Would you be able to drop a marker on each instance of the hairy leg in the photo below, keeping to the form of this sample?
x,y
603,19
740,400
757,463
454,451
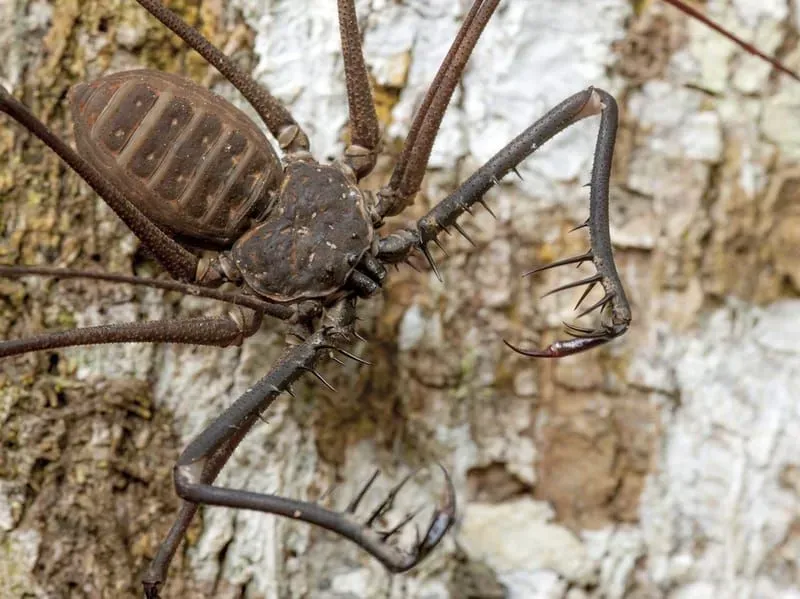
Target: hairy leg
x,y
413,161
362,152
220,332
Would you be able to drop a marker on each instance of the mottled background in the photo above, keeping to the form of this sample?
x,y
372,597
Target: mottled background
x,y
664,465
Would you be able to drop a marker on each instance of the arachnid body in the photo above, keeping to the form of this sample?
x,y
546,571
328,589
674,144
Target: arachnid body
x,y
295,211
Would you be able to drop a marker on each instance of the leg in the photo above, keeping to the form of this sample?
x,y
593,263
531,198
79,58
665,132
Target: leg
x,y
362,152
205,456
750,48
283,312
413,161
280,123
396,247
220,332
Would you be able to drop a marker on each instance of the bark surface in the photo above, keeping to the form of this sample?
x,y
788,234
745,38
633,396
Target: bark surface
x,y
666,464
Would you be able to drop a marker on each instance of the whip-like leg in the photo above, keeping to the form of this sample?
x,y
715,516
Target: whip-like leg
x,y
283,312
413,161
219,332
396,247
201,461
750,48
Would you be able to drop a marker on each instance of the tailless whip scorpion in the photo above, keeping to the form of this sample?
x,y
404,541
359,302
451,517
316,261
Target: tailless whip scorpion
x,y
291,238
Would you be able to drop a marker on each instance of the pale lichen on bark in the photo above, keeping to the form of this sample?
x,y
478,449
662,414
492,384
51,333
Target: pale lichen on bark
x,y
664,465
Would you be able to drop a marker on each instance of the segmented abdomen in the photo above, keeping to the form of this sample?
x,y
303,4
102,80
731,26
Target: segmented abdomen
x,y
187,158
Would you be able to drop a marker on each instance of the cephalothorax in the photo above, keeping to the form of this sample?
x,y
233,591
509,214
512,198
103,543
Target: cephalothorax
x,y
298,240
320,224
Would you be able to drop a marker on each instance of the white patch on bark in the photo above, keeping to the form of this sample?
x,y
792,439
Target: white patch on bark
x,y
718,508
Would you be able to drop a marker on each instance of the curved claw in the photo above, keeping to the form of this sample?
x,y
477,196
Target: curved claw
x,y
583,339
441,521
376,543
559,349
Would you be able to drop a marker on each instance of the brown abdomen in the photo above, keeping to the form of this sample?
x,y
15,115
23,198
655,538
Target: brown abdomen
x,y
188,159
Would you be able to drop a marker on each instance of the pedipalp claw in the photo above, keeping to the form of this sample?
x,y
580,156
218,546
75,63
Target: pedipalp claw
x,y
532,353
441,520
618,316
391,555
562,348
400,560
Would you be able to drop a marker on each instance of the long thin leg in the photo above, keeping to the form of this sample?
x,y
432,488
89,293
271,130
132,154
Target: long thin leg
x,y
396,247
237,298
202,460
413,161
176,260
220,332
156,571
750,48
362,152
278,120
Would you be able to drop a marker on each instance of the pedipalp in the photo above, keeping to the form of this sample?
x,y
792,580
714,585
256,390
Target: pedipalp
x,y
397,246
600,254
201,461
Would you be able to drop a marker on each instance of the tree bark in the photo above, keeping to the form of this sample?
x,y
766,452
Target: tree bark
x,y
665,464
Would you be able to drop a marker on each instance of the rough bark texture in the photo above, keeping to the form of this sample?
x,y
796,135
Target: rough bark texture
x,y
664,465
